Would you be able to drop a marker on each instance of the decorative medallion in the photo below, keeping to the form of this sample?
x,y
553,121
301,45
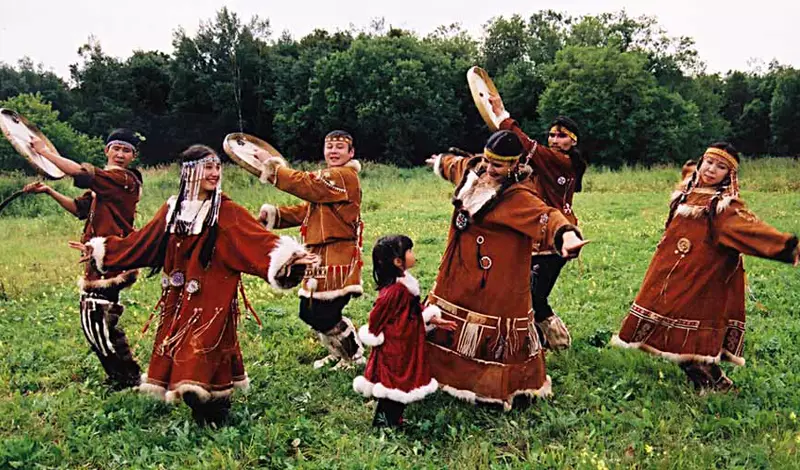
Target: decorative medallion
x,y
485,262
684,245
177,279
480,240
561,181
164,281
462,220
544,218
193,286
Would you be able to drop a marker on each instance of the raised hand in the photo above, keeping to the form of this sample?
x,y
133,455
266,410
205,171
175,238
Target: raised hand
x,y
497,104
86,251
39,146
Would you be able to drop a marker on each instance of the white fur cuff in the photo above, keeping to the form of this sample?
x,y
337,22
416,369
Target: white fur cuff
x,y
285,250
368,338
430,312
437,165
270,169
98,245
269,215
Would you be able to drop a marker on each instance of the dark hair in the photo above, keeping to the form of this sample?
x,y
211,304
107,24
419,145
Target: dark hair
x,y
125,135
385,251
578,161
711,210
340,133
505,143
193,153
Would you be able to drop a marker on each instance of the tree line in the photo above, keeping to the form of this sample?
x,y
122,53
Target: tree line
x,y
641,96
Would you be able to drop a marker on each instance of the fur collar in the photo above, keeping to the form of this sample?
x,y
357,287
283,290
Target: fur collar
x,y
410,282
354,164
193,212
475,192
697,202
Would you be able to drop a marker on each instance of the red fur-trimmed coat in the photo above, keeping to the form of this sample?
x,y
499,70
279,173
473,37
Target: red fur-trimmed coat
x,y
108,207
690,306
397,368
196,346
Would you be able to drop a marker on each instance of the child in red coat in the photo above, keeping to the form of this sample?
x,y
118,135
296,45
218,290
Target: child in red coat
x,y
397,372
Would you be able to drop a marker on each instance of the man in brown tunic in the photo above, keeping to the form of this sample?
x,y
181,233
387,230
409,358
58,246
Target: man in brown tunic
x,y
331,227
108,207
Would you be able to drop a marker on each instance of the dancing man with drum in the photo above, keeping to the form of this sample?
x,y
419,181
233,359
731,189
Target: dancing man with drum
x,y
331,227
108,207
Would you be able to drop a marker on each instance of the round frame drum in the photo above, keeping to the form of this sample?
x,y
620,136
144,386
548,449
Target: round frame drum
x,y
242,148
19,132
482,87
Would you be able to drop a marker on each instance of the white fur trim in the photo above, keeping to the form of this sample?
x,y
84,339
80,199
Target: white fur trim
x,y
618,342
270,168
437,165
476,193
355,289
154,390
368,338
724,203
354,164
411,283
430,312
467,395
269,212
378,390
123,280
98,245
284,250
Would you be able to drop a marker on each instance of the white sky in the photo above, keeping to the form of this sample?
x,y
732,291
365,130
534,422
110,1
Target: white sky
x,y
728,34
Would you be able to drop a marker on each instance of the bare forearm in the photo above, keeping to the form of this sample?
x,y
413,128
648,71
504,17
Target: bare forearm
x,y
64,201
64,164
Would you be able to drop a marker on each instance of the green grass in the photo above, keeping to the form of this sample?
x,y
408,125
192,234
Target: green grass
x,y
610,408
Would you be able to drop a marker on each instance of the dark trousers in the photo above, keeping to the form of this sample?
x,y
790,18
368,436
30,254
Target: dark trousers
x,y
388,413
544,274
322,315
100,324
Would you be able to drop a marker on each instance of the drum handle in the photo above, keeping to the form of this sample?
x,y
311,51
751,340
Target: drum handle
x,y
10,198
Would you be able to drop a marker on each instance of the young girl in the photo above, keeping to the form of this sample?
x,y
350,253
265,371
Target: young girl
x,y
397,372
201,241
690,308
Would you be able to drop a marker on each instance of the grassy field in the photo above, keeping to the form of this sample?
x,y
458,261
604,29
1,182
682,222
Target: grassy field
x,y
610,408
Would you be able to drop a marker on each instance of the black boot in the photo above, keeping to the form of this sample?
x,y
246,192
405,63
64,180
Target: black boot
x,y
388,413
699,374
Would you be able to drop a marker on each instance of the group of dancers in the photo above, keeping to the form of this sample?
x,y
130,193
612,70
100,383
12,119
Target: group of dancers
x,y
481,331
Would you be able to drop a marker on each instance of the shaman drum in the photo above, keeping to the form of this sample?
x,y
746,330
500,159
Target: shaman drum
x,y
482,87
19,131
242,149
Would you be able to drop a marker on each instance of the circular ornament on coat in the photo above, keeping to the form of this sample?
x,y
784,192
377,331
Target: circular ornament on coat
x,y
462,220
177,279
193,286
684,245
486,262
562,181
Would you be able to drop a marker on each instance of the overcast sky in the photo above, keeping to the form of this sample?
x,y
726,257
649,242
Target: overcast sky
x,y
728,34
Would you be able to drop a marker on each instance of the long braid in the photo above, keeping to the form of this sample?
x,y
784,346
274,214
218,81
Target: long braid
x,y
713,204
673,206
161,252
